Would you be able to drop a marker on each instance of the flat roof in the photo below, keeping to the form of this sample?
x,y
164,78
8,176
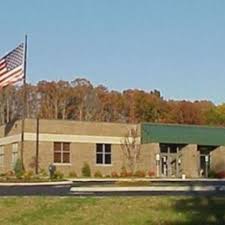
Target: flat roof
x,y
182,134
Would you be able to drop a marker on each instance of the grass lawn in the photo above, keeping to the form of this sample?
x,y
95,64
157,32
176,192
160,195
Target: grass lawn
x,y
112,211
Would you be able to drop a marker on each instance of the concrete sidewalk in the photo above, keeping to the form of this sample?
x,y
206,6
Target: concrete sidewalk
x,y
10,184
208,188
145,179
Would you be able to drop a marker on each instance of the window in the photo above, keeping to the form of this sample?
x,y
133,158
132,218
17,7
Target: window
x,y
103,154
61,152
1,156
14,153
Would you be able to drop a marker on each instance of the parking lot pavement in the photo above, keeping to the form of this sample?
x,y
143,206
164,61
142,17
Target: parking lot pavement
x,y
65,190
57,190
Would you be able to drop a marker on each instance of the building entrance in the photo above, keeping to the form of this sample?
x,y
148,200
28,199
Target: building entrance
x,y
204,164
170,160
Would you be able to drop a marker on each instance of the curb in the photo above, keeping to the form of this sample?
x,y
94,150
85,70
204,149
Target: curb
x,y
148,189
143,179
36,184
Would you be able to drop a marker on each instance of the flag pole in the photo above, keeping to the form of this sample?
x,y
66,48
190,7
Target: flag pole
x,y
24,100
37,145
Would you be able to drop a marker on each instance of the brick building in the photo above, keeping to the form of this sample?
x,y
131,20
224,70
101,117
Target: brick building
x,y
166,150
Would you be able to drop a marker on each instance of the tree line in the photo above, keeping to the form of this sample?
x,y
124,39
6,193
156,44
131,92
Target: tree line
x,y
81,100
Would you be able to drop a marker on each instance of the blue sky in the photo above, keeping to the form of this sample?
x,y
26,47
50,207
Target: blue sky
x,y
175,46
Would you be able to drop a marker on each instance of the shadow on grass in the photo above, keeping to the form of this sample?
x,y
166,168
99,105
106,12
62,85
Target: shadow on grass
x,y
201,211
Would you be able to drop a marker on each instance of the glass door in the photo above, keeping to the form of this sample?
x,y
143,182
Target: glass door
x,y
164,165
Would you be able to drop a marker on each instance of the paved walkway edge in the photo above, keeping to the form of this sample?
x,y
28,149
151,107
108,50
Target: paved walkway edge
x,y
142,179
36,184
152,189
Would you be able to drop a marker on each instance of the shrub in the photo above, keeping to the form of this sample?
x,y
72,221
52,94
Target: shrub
x,y
86,170
28,175
123,172
220,175
43,173
139,173
10,173
58,175
129,174
114,174
72,174
18,169
98,174
107,176
151,173
212,174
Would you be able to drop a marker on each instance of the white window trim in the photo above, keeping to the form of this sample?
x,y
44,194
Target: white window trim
x,y
62,164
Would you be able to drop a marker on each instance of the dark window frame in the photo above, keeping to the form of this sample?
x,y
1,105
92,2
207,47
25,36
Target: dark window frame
x,y
103,154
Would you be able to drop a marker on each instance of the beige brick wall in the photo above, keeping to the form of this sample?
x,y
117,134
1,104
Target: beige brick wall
x,y
80,153
217,157
79,128
148,157
190,161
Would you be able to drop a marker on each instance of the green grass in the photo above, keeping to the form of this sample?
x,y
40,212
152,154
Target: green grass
x,y
112,211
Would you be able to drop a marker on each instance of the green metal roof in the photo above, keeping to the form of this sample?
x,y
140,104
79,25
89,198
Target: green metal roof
x,y
182,134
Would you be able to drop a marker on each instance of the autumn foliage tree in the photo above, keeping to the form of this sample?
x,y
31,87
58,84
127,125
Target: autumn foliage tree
x,y
81,100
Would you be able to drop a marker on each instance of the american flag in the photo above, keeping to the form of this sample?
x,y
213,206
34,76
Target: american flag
x,y
11,67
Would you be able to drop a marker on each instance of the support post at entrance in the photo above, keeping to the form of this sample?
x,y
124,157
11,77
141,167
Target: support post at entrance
x,y
206,166
177,163
158,165
169,163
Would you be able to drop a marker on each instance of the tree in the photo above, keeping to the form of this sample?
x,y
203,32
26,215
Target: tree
x,y
81,100
131,148
82,94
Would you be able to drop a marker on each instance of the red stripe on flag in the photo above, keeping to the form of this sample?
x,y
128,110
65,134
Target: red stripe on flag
x,y
12,82
11,77
2,67
6,74
2,61
15,79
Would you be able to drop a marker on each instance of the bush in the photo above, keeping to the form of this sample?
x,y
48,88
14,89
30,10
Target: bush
x,y
98,174
18,169
123,172
151,173
28,175
220,175
129,174
212,174
86,170
72,174
43,173
58,175
114,174
139,173
10,173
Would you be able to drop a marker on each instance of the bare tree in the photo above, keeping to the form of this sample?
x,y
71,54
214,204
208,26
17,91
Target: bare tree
x,y
131,148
